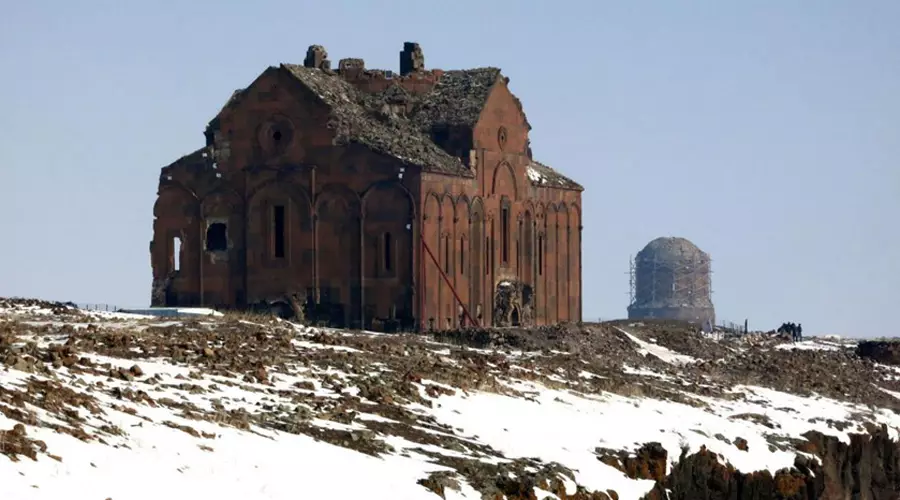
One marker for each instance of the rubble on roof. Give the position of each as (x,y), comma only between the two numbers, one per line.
(545,176)
(457,99)
(355,120)
(372,119)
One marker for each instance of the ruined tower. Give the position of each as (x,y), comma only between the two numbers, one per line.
(671,280)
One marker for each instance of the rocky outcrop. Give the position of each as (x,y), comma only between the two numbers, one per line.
(868,468)
(880,351)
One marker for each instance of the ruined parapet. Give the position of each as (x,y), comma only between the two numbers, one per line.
(513,304)
(317,57)
(351,67)
(671,280)
(412,59)
(413,77)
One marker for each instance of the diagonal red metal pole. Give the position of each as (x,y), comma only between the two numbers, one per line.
(447,280)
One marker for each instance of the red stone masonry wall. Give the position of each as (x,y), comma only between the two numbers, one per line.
(273,212)
(463,228)
(339,204)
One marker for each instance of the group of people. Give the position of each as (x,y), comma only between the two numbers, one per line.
(795,330)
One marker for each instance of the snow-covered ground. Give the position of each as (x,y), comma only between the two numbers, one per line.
(278,411)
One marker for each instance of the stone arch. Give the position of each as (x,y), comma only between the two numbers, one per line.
(338,211)
(504,172)
(335,191)
(463,209)
(391,186)
(448,205)
(298,194)
(432,209)
(539,210)
(388,214)
(279,233)
(221,202)
(176,200)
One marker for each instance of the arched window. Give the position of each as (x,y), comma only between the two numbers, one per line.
(216,237)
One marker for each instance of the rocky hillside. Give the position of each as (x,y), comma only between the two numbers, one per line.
(127,407)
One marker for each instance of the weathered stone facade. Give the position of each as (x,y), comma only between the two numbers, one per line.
(369,198)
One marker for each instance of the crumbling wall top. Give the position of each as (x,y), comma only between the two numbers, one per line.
(412,59)
(317,57)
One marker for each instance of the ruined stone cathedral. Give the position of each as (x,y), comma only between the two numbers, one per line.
(370,198)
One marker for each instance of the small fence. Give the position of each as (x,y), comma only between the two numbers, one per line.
(98,307)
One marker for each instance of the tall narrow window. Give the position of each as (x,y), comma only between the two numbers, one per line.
(541,254)
(176,253)
(446,255)
(278,240)
(462,256)
(504,235)
(388,252)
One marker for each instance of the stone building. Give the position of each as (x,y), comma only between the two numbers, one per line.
(371,198)
(671,280)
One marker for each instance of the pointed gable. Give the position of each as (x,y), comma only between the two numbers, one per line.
(457,99)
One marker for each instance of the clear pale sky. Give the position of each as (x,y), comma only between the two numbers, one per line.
(766,132)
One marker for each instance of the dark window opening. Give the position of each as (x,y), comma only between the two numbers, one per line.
(462,256)
(446,255)
(388,257)
(540,255)
(441,136)
(279,240)
(216,237)
(176,253)
(504,235)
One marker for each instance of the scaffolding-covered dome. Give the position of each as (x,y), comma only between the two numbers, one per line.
(671,280)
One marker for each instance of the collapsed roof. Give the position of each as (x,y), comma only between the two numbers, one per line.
(456,99)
